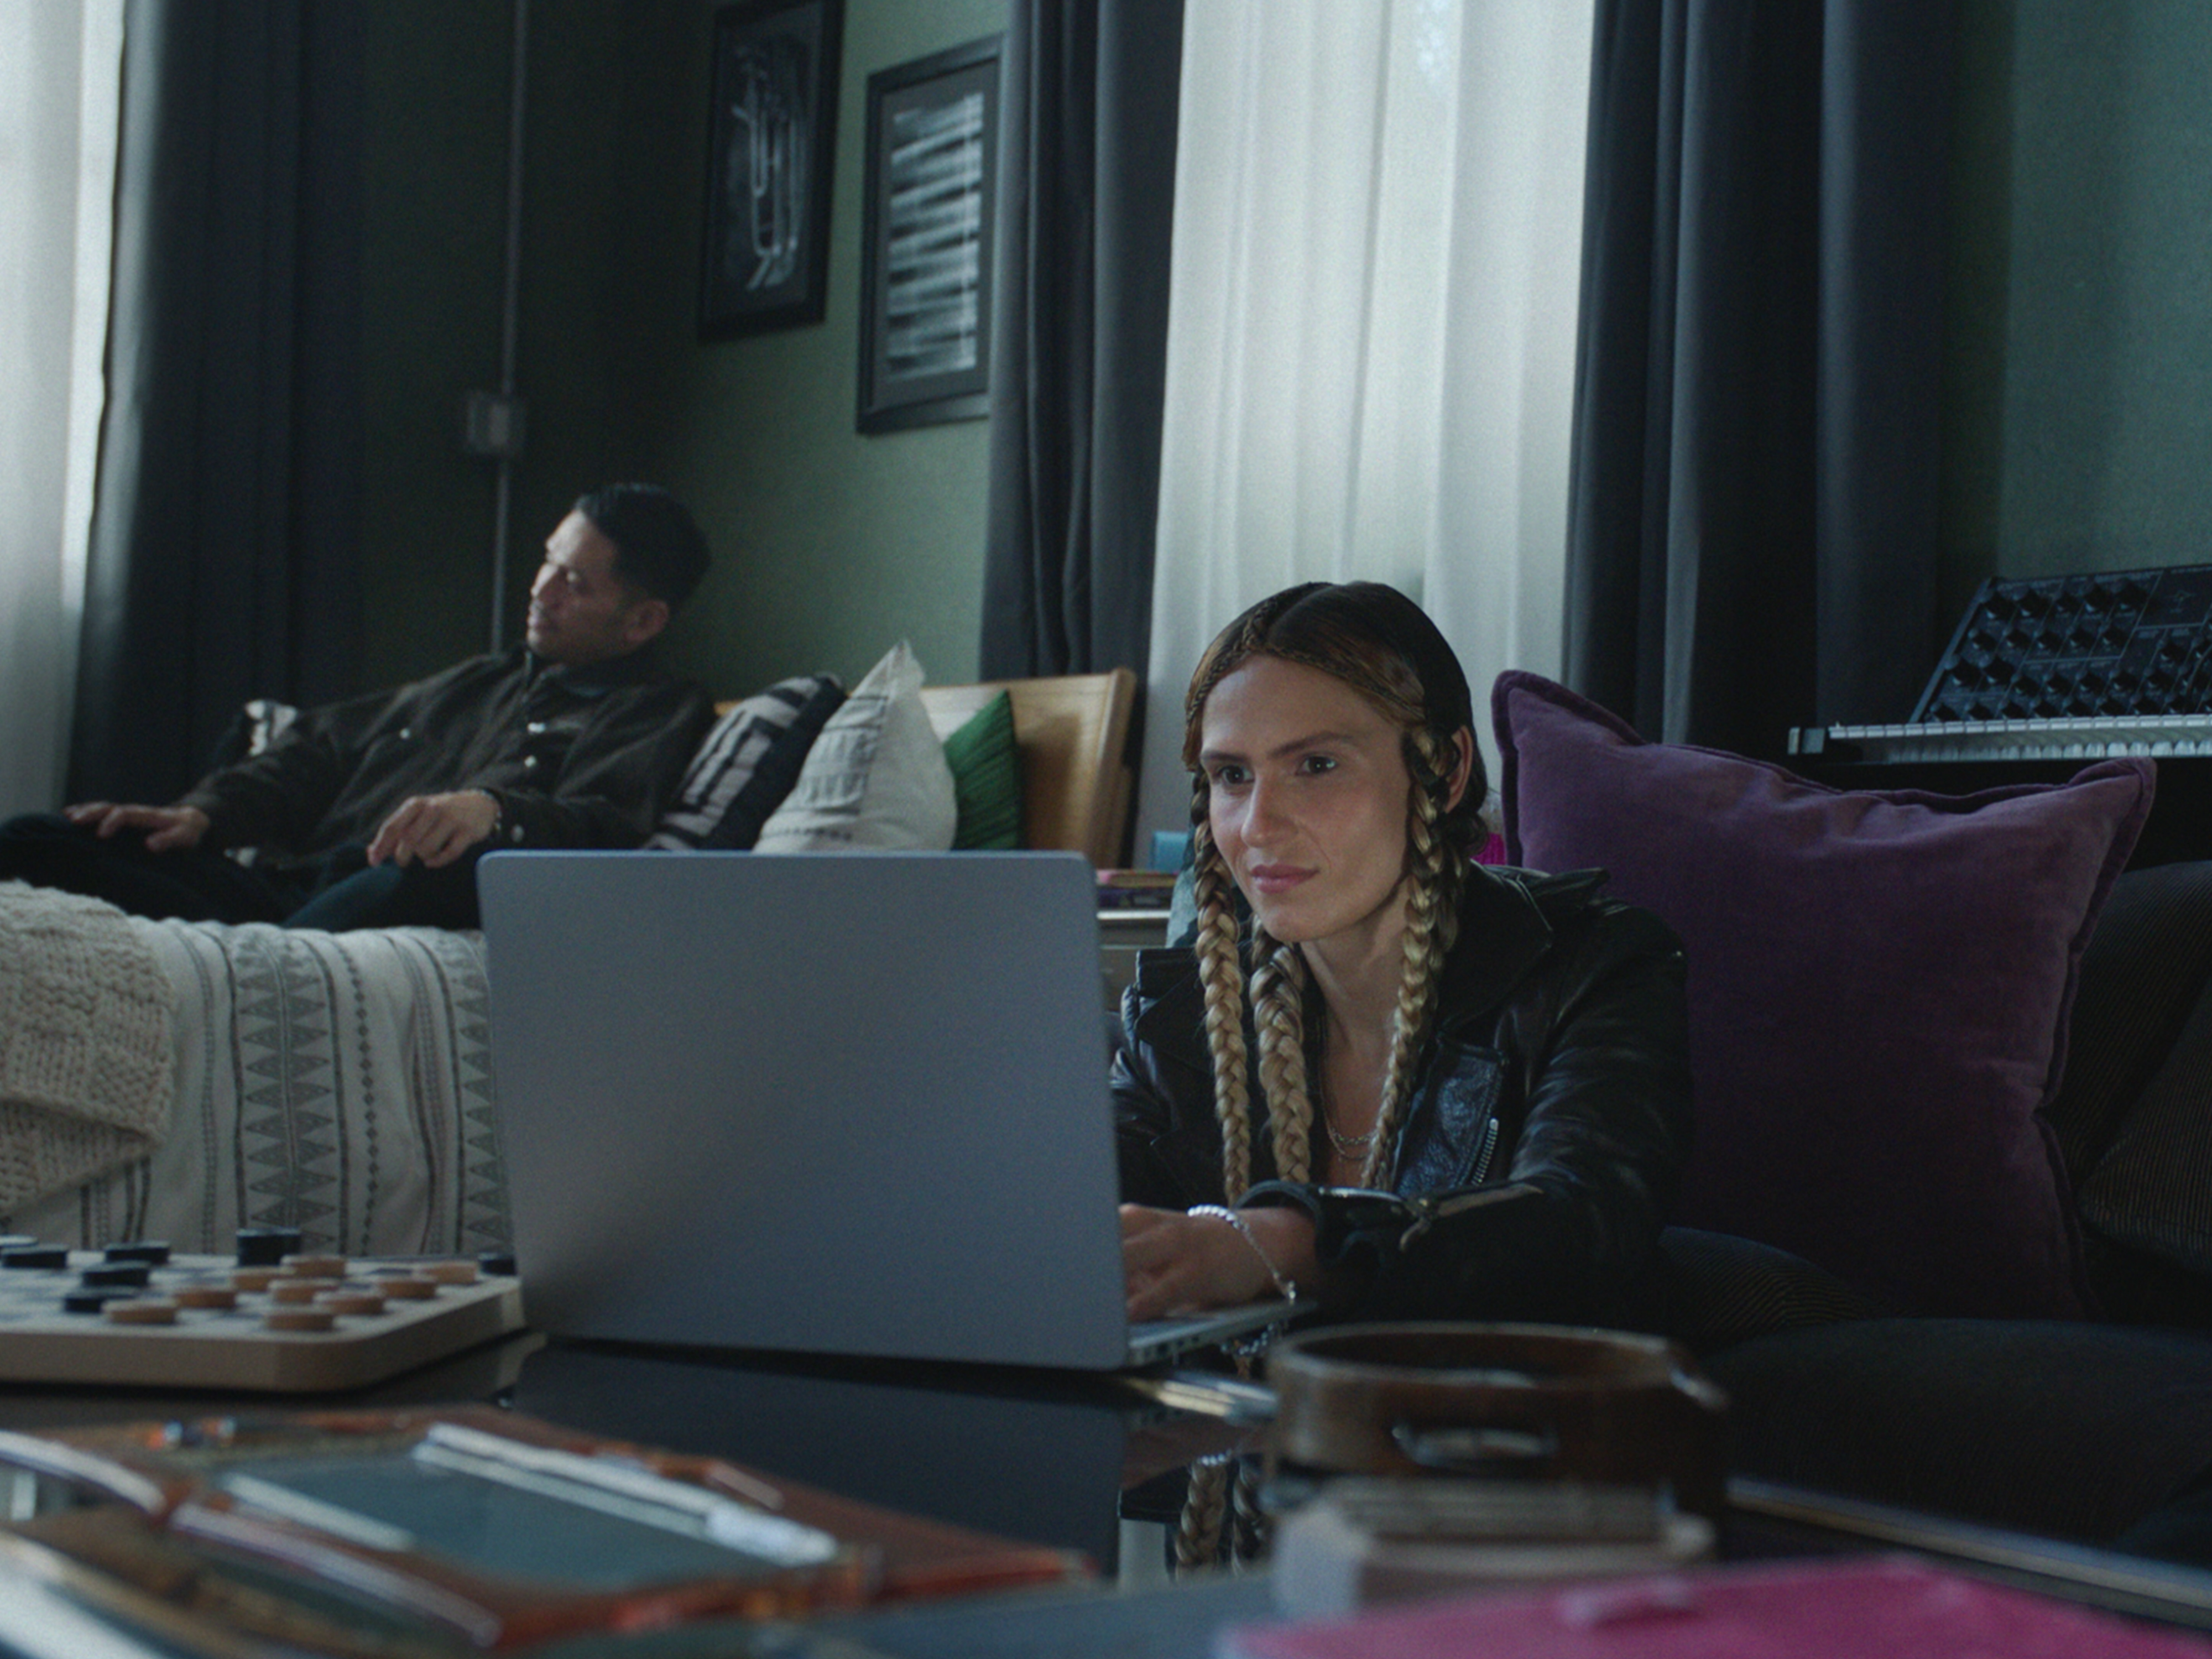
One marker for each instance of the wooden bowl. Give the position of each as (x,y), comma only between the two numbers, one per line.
(1497,1401)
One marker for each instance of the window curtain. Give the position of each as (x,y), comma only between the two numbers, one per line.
(1371,341)
(225,527)
(57,81)
(1080,333)
(1754,501)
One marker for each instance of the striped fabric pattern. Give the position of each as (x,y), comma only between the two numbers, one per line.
(1722,1290)
(339,1083)
(987,779)
(746,765)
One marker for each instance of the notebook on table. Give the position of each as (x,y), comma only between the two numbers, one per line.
(844,1103)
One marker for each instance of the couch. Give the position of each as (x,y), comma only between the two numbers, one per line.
(1946,1238)
(224,1077)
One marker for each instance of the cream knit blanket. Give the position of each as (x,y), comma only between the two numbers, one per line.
(85,1014)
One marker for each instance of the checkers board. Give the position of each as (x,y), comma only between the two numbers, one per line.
(136,1315)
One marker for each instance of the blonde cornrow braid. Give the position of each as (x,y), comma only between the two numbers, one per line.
(1223,980)
(1445,859)
(1438,873)
(1204,1505)
(1223,658)
(1278,1007)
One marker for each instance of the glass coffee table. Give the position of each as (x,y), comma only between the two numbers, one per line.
(1072,1463)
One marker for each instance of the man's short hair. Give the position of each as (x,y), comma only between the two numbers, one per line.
(660,544)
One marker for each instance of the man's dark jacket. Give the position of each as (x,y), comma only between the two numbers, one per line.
(1556,1082)
(575,756)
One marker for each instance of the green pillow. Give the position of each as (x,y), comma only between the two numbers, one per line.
(987,779)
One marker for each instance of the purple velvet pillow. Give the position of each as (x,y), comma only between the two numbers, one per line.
(1878,989)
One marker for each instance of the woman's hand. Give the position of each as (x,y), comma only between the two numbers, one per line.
(1176,1263)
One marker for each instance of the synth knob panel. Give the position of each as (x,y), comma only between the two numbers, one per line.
(2118,645)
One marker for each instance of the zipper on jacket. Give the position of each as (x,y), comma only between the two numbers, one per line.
(1489,1150)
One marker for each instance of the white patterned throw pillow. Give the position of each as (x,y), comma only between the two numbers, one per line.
(876,778)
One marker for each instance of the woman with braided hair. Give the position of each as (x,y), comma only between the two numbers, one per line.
(1400,1083)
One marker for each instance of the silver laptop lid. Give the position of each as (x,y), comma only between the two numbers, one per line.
(840,1103)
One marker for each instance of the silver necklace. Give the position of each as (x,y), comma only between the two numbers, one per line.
(1343,1143)
(1348,1145)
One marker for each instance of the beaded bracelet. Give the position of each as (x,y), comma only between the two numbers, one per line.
(1284,1287)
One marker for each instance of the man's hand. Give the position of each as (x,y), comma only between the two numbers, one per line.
(435,830)
(166,827)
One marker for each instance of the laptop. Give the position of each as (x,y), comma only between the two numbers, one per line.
(841,1103)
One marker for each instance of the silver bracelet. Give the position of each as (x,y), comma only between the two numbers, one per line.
(1284,1287)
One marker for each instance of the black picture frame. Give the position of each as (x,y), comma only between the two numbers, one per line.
(929,225)
(771,148)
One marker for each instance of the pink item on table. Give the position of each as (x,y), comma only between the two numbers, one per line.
(1880,1607)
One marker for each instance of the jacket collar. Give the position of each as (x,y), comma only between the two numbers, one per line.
(1503,933)
(592,679)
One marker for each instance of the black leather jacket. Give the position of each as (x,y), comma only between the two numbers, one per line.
(1552,1108)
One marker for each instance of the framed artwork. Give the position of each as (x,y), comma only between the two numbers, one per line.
(928,224)
(771,134)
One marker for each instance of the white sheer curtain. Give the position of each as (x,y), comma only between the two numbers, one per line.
(1370,336)
(58,114)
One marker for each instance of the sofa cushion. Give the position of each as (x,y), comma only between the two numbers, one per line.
(2152,1188)
(876,778)
(2062,1427)
(2142,975)
(746,764)
(1722,1288)
(1878,986)
(2134,1115)
(987,779)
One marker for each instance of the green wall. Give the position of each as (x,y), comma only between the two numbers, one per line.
(2079,361)
(832,545)
(2079,400)
(829,546)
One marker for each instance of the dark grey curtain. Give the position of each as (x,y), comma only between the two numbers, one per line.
(227,522)
(1753,526)
(1078,342)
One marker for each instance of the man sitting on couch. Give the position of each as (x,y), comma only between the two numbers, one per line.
(373,812)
